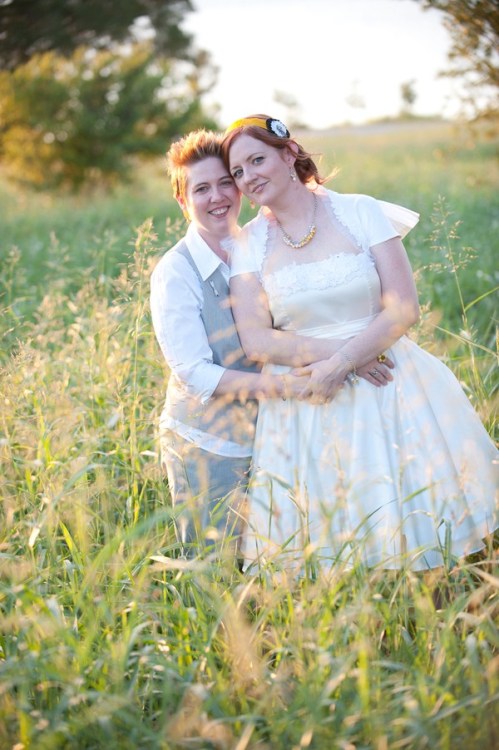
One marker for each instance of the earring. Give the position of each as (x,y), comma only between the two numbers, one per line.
(292,174)
(252,204)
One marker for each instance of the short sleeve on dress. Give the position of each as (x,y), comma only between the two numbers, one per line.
(402,219)
(250,247)
(242,259)
(370,221)
(375,224)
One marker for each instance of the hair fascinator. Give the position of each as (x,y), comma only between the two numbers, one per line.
(271,124)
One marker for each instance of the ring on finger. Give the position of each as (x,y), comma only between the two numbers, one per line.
(381,358)
(374,372)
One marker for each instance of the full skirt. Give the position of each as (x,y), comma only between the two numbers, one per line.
(401,475)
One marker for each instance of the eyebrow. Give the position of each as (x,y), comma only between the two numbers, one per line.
(250,156)
(195,185)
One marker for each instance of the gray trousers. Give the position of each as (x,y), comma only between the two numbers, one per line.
(209,492)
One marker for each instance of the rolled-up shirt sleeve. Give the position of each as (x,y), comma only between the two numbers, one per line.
(176,303)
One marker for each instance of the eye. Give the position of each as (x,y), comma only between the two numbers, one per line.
(228,182)
(237,173)
(201,189)
(258,159)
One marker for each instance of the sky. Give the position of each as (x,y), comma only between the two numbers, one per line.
(326,55)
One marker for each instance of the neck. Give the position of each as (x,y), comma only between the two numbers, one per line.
(293,207)
(299,228)
(216,243)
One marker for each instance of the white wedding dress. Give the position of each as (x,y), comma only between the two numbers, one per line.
(404,474)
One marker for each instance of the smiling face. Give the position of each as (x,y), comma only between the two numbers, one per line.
(260,171)
(211,198)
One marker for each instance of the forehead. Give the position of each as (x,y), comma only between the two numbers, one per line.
(208,170)
(244,146)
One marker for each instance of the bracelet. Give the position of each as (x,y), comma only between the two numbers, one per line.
(352,376)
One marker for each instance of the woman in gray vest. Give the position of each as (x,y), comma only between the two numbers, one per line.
(206,427)
(207,424)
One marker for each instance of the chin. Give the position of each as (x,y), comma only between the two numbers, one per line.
(259,198)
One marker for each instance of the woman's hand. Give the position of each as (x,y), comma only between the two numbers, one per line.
(376,372)
(326,377)
(293,384)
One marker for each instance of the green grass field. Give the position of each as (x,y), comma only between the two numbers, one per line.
(106,639)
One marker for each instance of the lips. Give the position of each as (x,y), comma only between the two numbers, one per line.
(220,211)
(259,188)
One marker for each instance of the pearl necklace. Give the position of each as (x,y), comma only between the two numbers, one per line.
(310,234)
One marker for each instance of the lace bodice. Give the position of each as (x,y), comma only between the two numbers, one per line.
(335,291)
(333,271)
(340,292)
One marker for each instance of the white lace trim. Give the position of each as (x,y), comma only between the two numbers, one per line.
(351,229)
(347,219)
(328,273)
(345,211)
(260,240)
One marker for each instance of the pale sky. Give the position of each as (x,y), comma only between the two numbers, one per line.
(321,52)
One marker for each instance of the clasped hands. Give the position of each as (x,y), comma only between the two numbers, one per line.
(323,380)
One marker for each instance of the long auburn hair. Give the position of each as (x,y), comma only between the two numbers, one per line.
(305,167)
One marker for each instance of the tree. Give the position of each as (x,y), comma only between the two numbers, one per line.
(70,121)
(409,96)
(355,100)
(291,107)
(474,55)
(86,84)
(31,27)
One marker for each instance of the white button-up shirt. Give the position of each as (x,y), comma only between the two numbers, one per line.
(176,303)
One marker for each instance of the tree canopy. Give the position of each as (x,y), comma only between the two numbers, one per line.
(30,27)
(474,55)
(85,85)
(71,121)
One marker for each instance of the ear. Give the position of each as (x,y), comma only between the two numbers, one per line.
(290,154)
(182,205)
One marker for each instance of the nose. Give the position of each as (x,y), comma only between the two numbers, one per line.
(217,193)
(247,175)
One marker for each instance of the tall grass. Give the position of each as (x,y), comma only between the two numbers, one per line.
(108,640)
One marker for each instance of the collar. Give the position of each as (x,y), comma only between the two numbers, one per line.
(203,256)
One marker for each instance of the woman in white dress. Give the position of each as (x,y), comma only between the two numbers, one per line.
(404,475)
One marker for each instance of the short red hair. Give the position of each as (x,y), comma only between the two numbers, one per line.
(192,148)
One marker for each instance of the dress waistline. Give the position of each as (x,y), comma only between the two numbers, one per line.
(337,330)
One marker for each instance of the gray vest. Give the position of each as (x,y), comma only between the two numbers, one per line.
(223,416)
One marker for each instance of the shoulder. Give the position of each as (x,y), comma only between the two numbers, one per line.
(358,209)
(356,203)
(255,226)
(252,234)
(250,246)
(363,216)
(172,265)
